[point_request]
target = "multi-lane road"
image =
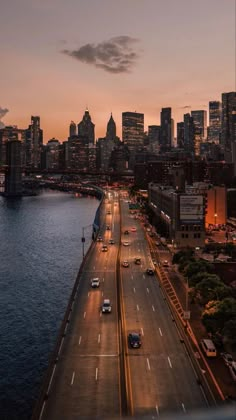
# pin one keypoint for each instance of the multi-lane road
(96, 368)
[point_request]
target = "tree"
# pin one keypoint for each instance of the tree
(210, 288)
(198, 266)
(183, 254)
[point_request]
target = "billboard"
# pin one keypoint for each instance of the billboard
(191, 208)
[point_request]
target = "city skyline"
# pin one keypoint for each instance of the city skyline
(59, 59)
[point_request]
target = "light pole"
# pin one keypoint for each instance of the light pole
(83, 237)
(215, 215)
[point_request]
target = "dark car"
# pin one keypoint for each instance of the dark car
(150, 271)
(126, 232)
(134, 340)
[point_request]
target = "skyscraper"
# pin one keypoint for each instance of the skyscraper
(228, 135)
(200, 129)
(132, 133)
(214, 121)
(86, 128)
(180, 135)
(111, 129)
(33, 143)
(166, 134)
(72, 129)
(189, 134)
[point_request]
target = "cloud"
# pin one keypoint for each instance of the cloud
(117, 55)
(3, 111)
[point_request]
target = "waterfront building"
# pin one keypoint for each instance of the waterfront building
(52, 154)
(154, 138)
(13, 178)
(72, 130)
(214, 129)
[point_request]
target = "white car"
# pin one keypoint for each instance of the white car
(106, 306)
(125, 263)
(95, 282)
(126, 243)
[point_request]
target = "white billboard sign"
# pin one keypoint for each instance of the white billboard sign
(191, 207)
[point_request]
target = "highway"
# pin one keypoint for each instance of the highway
(162, 379)
(88, 379)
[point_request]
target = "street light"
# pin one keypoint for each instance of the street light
(83, 237)
(215, 215)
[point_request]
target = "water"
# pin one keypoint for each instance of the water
(40, 255)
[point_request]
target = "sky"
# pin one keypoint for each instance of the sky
(59, 57)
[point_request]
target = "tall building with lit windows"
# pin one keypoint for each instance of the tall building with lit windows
(228, 134)
(214, 122)
(200, 129)
(133, 133)
(167, 130)
(33, 143)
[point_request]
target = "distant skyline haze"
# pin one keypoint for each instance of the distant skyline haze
(57, 58)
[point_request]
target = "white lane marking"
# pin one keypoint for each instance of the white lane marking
(142, 332)
(147, 289)
(184, 409)
(132, 277)
(72, 379)
(102, 293)
(99, 338)
(50, 383)
(160, 331)
(96, 376)
(157, 410)
(148, 364)
(169, 362)
(84, 314)
(61, 345)
(153, 308)
(94, 267)
(80, 340)
(137, 307)
(134, 290)
(143, 276)
(103, 279)
(88, 294)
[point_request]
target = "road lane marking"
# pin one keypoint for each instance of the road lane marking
(50, 383)
(148, 364)
(137, 307)
(80, 340)
(157, 409)
(160, 331)
(94, 267)
(143, 276)
(147, 289)
(96, 374)
(99, 338)
(103, 279)
(169, 362)
(102, 293)
(153, 308)
(72, 379)
(184, 409)
(84, 314)
(61, 345)
(142, 332)
(88, 294)
(132, 277)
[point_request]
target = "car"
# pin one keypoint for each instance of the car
(126, 232)
(157, 243)
(111, 241)
(137, 260)
(95, 282)
(125, 263)
(165, 263)
(126, 243)
(100, 239)
(150, 271)
(133, 229)
(104, 248)
(228, 359)
(106, 306)
(134, 340)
